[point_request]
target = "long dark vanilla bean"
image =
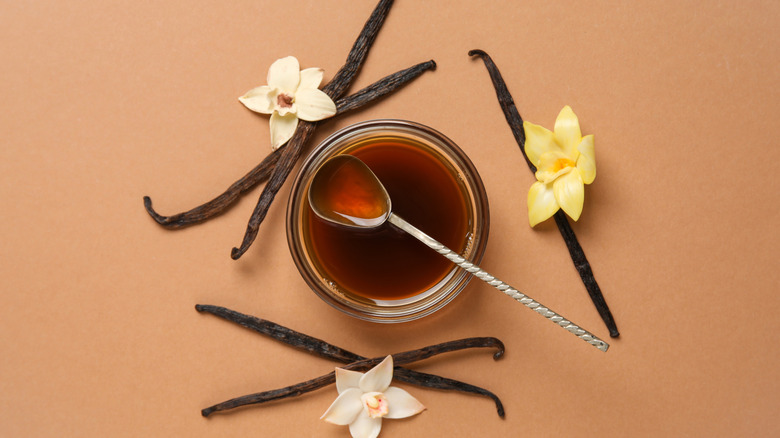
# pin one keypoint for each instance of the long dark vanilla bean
(403, 358)
(326, 350)
(274, 394)
(357, 55)
(576, 252)
(443, 383)
(279, 164)
(293, 338)
(335, 89)
(262, 171)
(586, 273)
(281, 171)
(220, 203)
(382, 87)
(506, 102)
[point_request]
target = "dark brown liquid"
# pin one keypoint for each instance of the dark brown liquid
(387, 263)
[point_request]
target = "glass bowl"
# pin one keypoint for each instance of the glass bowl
(319, 260)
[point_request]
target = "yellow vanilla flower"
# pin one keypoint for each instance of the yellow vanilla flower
(564, 161)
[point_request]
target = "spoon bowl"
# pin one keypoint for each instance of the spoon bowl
(344, 191)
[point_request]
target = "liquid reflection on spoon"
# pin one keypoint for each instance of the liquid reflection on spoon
(344, 191)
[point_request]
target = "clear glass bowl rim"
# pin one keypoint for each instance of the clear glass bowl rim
(456, 280)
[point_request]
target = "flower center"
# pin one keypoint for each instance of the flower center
(376, 404)
(284, 100)
(562, 163)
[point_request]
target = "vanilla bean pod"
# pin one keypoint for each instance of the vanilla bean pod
(357, 55)
(326, 350)
(290, 155)
(220, 203)
(327, 379)
(446, 384)
(576, 252)
(283, 334)
(262, 171)
(334, 89)
(382, 87)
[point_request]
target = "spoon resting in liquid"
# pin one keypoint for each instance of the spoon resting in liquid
(345, 192)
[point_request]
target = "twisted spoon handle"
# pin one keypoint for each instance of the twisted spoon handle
(498, 284)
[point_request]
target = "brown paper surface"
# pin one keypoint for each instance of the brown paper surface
(105, 102)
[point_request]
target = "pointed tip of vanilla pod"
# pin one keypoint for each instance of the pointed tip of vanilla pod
(170, 222)
(500, 353)
(477, 52)
(149, 209)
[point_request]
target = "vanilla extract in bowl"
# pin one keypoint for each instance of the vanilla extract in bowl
(384, 274)
(386, 264)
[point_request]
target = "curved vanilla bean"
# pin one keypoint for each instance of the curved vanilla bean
(317, 383)
(335, 89)
(437, 382)
(326, 350)
(274, 394)
(506, 102)
(575, 250)
(324, 380)
(382, 87)
(586, 273)
(290, 155)
(293, 338)
(220, 203)
(357, 54)
(285, 160)
(262, 171)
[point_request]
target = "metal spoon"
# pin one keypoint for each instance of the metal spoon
(344, 191)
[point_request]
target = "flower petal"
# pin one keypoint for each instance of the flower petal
(586, 163)
(285, 74)
(345, 409)
(377, 379)
(313, 104)
(567, 131)
(401, 404)
(282, 128)
(365, 427)
(260, 99)
(570, 194)
(538, 140)
(346, 379)
(311, 78)
(541, 203)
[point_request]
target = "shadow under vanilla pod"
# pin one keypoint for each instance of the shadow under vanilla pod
(277, 166)
(576, 252)
(353, 361)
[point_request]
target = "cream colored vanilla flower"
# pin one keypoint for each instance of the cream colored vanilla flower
(291, 94)
(364, 399)
(564, 161)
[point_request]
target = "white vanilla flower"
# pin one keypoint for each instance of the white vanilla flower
(364, 399)
(291, 94)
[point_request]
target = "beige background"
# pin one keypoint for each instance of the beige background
(104, 102)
